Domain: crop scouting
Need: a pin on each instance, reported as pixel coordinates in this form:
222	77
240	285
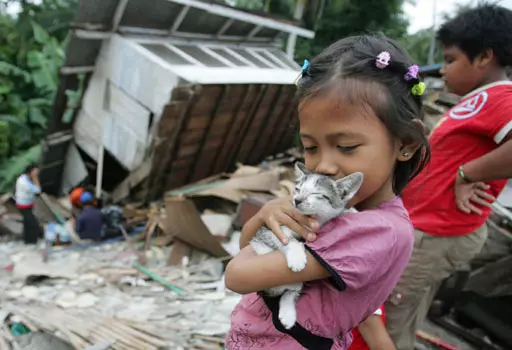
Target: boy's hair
488	26
349	66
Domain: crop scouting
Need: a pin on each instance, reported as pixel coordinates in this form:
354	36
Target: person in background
371	334
450	201
27	187
74	199
89	223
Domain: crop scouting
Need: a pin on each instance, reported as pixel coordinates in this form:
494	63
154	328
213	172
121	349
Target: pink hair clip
383	59
412	73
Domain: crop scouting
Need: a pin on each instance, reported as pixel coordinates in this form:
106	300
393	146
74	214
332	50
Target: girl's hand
469	194
279	212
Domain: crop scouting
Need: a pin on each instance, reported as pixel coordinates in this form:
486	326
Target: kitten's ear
300	171
349	185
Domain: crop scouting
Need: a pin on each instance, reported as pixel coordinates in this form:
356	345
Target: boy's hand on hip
469	194
279	212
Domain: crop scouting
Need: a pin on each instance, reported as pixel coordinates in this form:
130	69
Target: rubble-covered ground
93	295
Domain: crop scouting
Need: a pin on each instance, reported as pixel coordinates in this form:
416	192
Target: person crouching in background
89	223
27	187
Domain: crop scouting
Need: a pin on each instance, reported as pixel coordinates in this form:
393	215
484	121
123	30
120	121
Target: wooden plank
189	150
244	119
122	191
261	148
198	122
251	137
162	162
192	136
194	175
178	252
284	123
185	224
288	133
203	98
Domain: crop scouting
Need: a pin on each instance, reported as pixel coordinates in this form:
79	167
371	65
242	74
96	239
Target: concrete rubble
91	296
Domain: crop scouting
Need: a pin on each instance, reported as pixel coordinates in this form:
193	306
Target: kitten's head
321	195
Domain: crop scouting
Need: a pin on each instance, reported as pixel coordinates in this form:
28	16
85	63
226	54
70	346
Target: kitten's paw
288	317
296	257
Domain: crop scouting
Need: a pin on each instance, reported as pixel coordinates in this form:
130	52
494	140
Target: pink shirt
366	252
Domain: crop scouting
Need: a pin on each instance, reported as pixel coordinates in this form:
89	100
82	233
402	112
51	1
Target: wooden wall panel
205	131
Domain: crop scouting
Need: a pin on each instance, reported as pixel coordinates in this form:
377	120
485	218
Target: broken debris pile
90	296
160	288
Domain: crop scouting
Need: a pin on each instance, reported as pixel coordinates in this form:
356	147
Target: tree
335	19
355	17
31	53
418	44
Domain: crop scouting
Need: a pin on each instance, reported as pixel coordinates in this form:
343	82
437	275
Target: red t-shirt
471	129
358	342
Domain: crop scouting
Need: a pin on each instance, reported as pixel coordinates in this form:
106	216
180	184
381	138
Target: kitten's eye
325	197
348	149
310	149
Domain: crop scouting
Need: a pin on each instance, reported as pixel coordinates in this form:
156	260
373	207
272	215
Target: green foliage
418	46
31	53
339	18
355	17
14	166
4	140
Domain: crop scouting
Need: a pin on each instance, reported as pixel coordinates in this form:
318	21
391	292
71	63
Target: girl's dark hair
349	65
29	168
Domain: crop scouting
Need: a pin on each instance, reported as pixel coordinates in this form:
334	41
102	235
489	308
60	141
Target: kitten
313	194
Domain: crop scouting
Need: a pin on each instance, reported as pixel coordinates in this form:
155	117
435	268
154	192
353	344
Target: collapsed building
156	95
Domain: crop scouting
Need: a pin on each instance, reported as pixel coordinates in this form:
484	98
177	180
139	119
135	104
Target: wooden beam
76	70
118	15
225	26
179	19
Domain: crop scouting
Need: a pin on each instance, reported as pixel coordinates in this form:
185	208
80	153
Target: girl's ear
300	171
407	151
349	185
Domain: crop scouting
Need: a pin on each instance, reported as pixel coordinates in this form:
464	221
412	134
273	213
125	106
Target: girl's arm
375	334
275	213
248	272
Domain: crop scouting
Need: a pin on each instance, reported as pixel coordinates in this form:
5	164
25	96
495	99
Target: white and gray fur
317	195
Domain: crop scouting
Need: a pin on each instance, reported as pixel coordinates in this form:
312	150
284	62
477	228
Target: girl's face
340	139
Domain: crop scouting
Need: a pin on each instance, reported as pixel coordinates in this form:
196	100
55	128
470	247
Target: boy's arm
494	165
375	334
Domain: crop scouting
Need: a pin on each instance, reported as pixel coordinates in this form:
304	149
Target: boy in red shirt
450	200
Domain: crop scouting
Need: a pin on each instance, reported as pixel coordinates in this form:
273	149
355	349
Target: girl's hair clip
304	70
383	59
412	73
418	89
305	67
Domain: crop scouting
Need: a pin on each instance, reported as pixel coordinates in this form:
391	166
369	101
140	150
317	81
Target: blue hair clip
305	66
304	72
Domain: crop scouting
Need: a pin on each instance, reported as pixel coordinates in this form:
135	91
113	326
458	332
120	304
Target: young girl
359	110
